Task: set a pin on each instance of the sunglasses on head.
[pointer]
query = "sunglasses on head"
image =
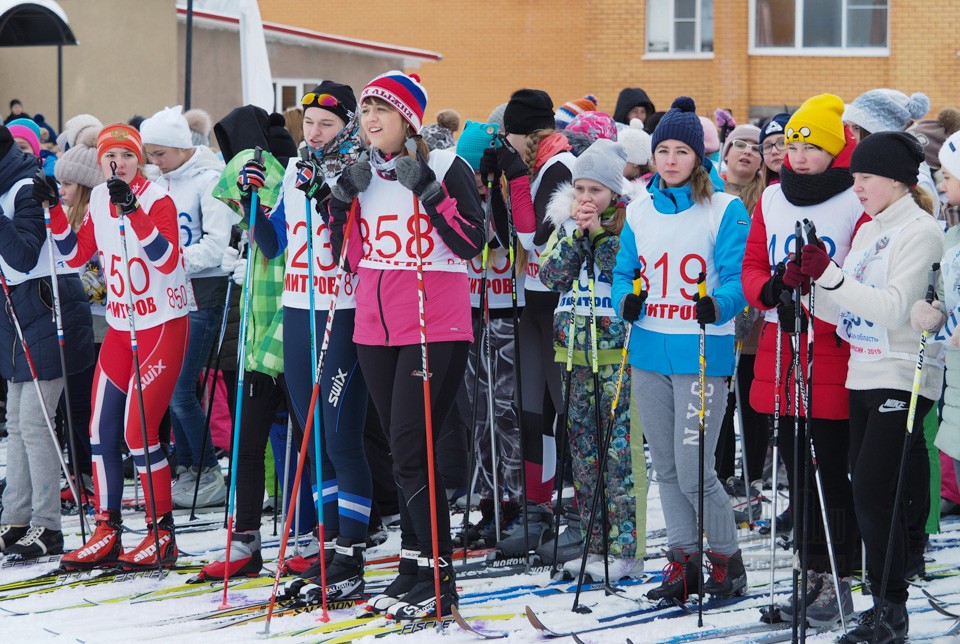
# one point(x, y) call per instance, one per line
point(312, 99)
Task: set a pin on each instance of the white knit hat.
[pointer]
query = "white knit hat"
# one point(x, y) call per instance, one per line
point(886, 110)
point(167, 127)
point(636, 142)
point(950, 154)
point(73, 128)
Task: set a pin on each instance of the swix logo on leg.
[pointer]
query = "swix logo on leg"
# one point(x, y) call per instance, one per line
point(152, 372)
point(339, 381)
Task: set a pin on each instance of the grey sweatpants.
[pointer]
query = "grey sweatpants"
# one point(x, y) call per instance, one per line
point(668, 407)
point(32, 495)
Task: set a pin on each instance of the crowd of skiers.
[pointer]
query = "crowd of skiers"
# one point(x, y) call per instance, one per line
point(455, 317)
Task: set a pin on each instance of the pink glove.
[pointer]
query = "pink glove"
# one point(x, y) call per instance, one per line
point(794, 277)
point(814, 260)
point(926, 317)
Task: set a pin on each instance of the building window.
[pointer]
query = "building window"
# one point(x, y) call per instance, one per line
point(288, 91)
point(679, 27)
point(811, 25)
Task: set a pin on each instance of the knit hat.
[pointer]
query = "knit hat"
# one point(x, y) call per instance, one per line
point(41, 121)
point(71, 131)
point(569, 110)
point(949, 155)
point(122, 135)
point(200, 125)
point(747, 132)
point(818, 122)
point(602, 162)
point(496, 115)
point(711, 136)
point(403, 92)
point(528, 110)
point(680, 123)
point(933, 132)
point(27, 130)
point(896, 155)
point(886, 110)
point(168, 128)
point(79, 163)
point(775, 125)
point(475, 138)
point(636, 142)
point(344, 104)
point(596, 125)
point(436, 137)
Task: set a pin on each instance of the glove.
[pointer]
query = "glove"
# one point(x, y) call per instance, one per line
point(926, 317)
point(353, 180)
point(632, 306)
point(43, 191)
point(231, 256)
point(786, 312)
point(310, 180)
point(814, 260)
point(509, 161)
point(253, 176)
point(489, 167)
point(770, 293)
point(794, 276)
point(121, 195)
point(706, 309)
point(417, 177)
point(240, 272)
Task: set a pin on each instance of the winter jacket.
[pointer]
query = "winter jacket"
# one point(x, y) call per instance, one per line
point(387, 297)
point(22, 234)
point(775, 213)
point(722, 225)
point(882, 302)
point(629, 98)
point(563, 269)
point(948, 438)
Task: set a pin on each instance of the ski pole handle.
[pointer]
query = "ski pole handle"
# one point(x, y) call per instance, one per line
point(258, 157)
point(701, 285)
point(932, 282)
point(810, 229)
point(638, 282)
point(797, 241)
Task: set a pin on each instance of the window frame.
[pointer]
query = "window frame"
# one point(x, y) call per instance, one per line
point(279, 82)
point(698, 34)
point(799, 50)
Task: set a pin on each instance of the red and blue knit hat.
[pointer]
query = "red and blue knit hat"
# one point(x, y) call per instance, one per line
point(403, 92)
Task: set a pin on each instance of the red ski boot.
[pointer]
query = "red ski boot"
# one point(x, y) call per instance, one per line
point(144, 556)
point(102, 550)
point(245, 558)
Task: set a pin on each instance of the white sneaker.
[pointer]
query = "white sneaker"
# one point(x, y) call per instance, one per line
point(620, 568)
point(572, 567)
point(212, 490)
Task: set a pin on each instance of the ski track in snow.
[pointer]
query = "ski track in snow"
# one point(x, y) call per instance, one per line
point(122, 621)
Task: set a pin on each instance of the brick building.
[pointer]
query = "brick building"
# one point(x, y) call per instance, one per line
point(753, 56)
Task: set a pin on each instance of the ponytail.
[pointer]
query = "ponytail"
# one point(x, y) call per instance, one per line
point(922, 198)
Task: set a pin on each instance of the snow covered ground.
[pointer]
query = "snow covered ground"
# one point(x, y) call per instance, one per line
point(107, 613)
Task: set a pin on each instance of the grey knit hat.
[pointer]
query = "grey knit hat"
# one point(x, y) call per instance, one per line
point(79, 164)
point(886, 110)
point(602, 162)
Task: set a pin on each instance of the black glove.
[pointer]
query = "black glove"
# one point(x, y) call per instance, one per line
point(786, 312)
point(510, 161)
point(417, 177)
point(706, 309)
point(310, 180)
point(253, 176)
point(770, 294)
point(354, 179)
point(632, 306)
point(489, 167)
point(43, 191)
point(121, 195)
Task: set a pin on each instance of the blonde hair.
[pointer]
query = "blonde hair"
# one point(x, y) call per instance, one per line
point(78, 210)
point(294, 123)
point(922, 198)
point(615, 224)
point(701, 186)
point(750, 194)
point(529, 154)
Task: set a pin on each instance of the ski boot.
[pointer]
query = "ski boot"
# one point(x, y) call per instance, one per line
point(405, 581)
point(681, 577)
point(10, 534)
point(37, 543)
point(421, 601)
point(292, 588)
point(308, 556)
point(144, 556)
point(245, 558)
point(344, 575)
point(540, 530)
point(102, 550)
point(891, 626)
point(727, 575)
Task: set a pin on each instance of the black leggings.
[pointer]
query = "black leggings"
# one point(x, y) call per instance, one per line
point(878, 428)
point(395, 381)
point(831, 438)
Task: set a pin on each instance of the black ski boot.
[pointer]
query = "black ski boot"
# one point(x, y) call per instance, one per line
point(891, 626)
point(344, 575)
point(681, 577)
point(727, 575)
point(540, 530)
point(421, 601)
point(405, 581)
point(292, 588)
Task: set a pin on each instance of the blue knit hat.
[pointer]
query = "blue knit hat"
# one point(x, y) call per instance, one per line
point(776, 126)
point(475, 138)
point(681, 123)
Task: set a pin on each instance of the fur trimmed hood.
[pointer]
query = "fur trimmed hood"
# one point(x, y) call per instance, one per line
point(560, 206)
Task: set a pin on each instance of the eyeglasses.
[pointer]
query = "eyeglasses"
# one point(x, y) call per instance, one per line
point(779, 144)
point(311, 99)
point(743, 145)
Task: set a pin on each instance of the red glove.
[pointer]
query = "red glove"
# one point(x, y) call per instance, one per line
point(794, 277)
point(814, 260)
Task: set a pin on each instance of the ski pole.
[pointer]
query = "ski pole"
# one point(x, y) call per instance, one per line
point(562, 438)
point(131, 318)
point(799, 523)
point(75, 487)
point(744, 470)
point(241, 361)
point(308, 422)
point(491, 424)
point(911, 417)
point(702, 292)
point(36, 383)
point(317, 425)
point(518, 380)
point(772, 613)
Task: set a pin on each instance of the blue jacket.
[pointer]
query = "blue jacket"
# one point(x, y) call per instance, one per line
point(21, 238)
point(667, 353)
